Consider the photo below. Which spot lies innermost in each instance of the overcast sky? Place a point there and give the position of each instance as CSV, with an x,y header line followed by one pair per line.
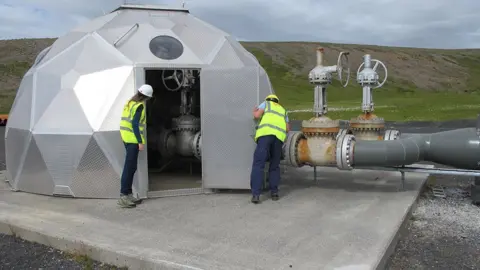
x,y
413,23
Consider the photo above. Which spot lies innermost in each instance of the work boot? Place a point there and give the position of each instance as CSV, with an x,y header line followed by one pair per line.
x,y
275,197
125,202
134,199
255,199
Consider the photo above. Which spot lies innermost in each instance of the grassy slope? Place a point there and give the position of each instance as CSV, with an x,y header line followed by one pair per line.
x,y
422,85
16,57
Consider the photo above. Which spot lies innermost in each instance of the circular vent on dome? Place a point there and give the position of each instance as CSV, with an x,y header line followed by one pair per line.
x,y
166,47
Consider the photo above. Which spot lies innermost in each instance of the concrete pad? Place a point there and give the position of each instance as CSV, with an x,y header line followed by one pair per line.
x,y
347,220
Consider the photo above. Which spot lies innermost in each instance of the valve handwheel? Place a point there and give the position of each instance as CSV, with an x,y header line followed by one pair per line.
x,y
178,76
343,65
377,62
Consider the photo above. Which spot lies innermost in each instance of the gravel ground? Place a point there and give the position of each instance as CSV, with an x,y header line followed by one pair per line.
x,y
18,254
443,233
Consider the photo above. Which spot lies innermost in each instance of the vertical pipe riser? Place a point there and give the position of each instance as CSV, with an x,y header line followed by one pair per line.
x,y
367,59
320,57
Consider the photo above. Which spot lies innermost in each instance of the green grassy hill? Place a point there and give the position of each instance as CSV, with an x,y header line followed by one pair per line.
x,y
423,84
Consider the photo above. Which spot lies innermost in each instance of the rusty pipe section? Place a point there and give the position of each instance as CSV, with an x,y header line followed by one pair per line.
x,y
458,148
318,146
315,145
320,141
369,127
320,52
317,150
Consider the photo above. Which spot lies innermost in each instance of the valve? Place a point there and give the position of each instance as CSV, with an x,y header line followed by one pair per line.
x,y
181,78
368,78
343,65
321,76
178,76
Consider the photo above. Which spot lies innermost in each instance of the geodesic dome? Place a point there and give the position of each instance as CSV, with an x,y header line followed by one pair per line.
x,y
63,136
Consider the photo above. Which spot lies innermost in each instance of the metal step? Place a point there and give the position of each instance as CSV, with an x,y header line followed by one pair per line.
x,y
438,191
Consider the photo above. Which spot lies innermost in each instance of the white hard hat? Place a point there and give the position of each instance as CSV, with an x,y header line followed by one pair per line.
x,y
146,90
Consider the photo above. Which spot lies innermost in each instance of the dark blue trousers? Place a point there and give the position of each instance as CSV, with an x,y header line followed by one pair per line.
x,y
269,148
129,168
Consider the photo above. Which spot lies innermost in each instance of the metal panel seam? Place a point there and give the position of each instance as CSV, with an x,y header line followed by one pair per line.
x,y
211,27
64,50
215,51
22,161
202,124
258,85
109,46
32,106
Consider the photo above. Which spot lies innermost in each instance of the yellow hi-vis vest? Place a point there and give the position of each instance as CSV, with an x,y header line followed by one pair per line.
x,y
126,130
272,122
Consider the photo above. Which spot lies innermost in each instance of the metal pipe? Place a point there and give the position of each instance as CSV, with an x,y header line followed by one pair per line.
x,y
320,51
440,171
320,101
184,102
458,148
317,150
136,25
317,144
367,60
388,153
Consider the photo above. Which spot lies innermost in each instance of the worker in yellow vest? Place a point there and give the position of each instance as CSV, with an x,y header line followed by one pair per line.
x,y
132,131
269,136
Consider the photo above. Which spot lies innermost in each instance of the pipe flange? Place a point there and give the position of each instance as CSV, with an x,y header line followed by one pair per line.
x,y
290,149
367,122
391,135
362,120
341,132
186,123
319,134
320,126
294,156
320,122
167,142
366,128
186,129
286,146
197,145
344,151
